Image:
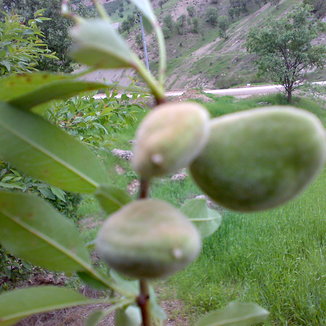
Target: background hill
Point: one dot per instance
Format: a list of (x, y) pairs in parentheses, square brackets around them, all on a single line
[(205, 39)]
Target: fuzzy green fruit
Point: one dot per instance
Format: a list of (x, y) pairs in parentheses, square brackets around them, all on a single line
[(261, 158), (147, 239), (169, 138)]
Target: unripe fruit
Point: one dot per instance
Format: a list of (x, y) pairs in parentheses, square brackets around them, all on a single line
[(260, 158), (169, 138), (147, 239)]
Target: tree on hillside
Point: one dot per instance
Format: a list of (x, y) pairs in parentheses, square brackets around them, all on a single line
[(284, 48), (223, 24), (211, 16)]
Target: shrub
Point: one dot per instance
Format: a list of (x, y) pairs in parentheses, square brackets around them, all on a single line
[(180, 25), (55, 30), (191, 11), (22, 45), (211, 16), (223, 24)]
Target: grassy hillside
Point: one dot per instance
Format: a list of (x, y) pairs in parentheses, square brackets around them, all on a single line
[(208, 60), (200, 53)]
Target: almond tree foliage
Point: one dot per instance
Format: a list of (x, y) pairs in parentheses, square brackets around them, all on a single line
[(55, 29), (284, 50), (22, 44)]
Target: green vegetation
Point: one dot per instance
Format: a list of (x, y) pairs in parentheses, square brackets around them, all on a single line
[(319, 7), (284, 48), (144, 237), (200, 42), (275, 258), (22, 46), (54, 29), (211, 16)]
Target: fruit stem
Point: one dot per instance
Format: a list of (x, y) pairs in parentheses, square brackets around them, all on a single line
[(143, 189), (143, 298), (143, 302)]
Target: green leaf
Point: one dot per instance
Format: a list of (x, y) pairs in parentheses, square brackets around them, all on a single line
[(46, 152), (11, 185), (46, 192), (126, 287), (130, 316), (18, 304), (112, 198), (235, 314), (33, 230), (94, 318), (147, 25), (20, 85), (98, 44), (58, 193), (146, 8), (26, 91), (157, 312), (6, 64), (63, 89), (91, 281), (205, 219)]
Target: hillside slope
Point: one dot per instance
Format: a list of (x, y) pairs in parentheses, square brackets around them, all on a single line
[(209, 61), (199, 57)]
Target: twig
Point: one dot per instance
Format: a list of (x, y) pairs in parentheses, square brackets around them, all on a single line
[(143, 302)]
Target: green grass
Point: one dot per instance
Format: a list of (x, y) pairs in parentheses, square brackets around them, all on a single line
[(275, 258), (228, 104)]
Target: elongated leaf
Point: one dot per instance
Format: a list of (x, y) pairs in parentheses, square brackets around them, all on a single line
[(157, 312), (32, 89), (63, 89), (235, 314), (45, 152), (91, 281), (146, 9), (19, 85), (59, 193), (112, 198), (18, 304), (149, 18), (98, 44), (33, 230), (126, 287), (94, 318), (130, 316), (205, 219)]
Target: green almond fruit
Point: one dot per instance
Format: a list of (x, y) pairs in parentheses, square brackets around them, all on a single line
[(259, 159), (169, 138), (148, 239)]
